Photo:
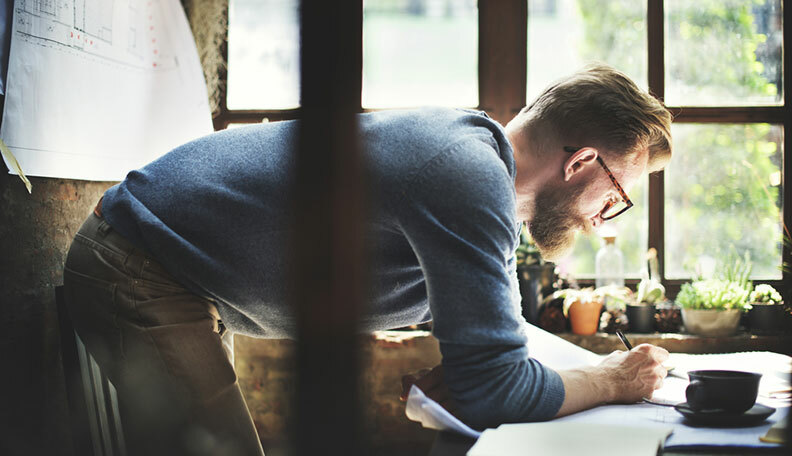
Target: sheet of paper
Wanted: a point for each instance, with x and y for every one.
(571, 439)
(96, 88)
(433, 416)
(557, 353)
(685, 435)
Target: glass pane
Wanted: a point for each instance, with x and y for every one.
(420, 52)
(723, 52)
(263, 54)
(564, 35)
(631, 230)
(723, 197)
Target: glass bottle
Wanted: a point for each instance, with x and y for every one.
(609, 264)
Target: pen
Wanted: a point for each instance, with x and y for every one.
(624, 339)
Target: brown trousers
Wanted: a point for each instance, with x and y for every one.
(160, 346)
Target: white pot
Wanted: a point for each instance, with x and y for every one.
(711, 322)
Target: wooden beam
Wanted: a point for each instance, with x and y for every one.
(503, 41)
(327, 278)
(656, 75)
(729, 114)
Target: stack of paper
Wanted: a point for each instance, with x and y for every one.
(570, 439)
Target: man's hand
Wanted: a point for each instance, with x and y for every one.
(635, 374)
(622, 377)
(432, 384)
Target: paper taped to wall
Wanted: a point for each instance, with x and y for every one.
(13, 165)
(96, 88)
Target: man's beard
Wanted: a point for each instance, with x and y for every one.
(555, 221)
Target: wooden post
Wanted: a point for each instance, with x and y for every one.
(503, 41)
(327, 243)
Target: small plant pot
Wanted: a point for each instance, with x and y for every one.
(641, 318)
(711, 322)
(585, 317)
(765, 318)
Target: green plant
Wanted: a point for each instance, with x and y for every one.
(713, 294)
(765, 294)
(786, 267)
(650, 290)
(527, 253)
(738, 270)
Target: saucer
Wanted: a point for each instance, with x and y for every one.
(755, 415)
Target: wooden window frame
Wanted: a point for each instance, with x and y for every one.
(502, 53)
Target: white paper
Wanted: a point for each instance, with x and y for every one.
(433, 416)
(545, 347)
(571, 439)
(96, 88)
(557, 353)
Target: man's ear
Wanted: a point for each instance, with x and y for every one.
(579, 161)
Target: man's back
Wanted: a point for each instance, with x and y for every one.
(215, 212)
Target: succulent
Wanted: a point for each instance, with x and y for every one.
(765, 294)
(713, 294)
(613, 296)
(527, 252)
(612, 320)
(650, 290)
(668, 318)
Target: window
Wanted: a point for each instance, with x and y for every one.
(420, 53)
(718, 64)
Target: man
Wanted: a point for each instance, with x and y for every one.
(192, 244)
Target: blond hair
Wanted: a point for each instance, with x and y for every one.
(600, 106)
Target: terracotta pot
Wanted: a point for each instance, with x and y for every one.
(585, 317)
(711, 322)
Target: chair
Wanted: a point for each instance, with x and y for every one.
(93, 400)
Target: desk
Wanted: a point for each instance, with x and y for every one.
(450, 444)
(603, 344)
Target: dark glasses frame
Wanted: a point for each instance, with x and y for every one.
(622, 193)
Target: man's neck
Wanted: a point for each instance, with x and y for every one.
(534, 168)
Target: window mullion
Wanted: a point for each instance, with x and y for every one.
(656, 76)
(503, 27)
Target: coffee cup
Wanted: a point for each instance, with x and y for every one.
(731, 391)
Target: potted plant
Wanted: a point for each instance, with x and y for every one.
(535, 275)
(765, 309)
(712, 307)
(583, 308)
(615, 300)
(641, 313)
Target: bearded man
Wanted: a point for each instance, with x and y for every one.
(192, 244)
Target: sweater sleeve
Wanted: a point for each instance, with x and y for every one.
(459, 217)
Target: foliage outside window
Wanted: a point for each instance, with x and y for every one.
(722, 188)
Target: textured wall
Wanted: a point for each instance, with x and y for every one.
(267, 380)
(35, 233)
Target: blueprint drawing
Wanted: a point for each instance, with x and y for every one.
(96, 88)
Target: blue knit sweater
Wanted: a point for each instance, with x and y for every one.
(443, 235)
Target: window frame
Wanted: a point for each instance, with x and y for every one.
(502, 73)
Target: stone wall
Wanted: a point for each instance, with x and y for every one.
(267, 378)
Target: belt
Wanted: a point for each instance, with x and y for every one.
(98, 209)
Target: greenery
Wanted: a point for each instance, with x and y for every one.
(527, 252)
(723, 185)
(715, 294)
(765, 294)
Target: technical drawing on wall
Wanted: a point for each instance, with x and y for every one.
(110, 77)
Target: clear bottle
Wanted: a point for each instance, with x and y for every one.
(609, 264)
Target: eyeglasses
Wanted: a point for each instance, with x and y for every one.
(612, 208)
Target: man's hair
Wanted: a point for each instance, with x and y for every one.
(602, 107)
